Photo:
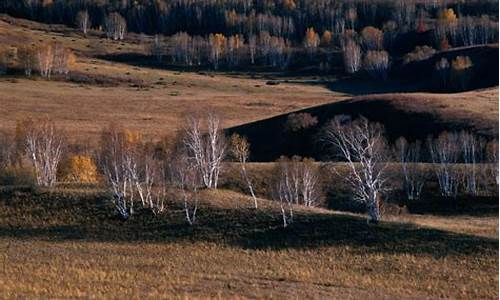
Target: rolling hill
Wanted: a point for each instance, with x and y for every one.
(68, 243)
(412, 115)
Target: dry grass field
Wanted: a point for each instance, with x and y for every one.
(153, 101)
(66, 244)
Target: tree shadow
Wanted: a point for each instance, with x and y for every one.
(385, 237)
(90, 217)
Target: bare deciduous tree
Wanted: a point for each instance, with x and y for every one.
(111, 158)
(157, 48)
(472, 153)
(131, 169)
(44, 146)
(352, 56)
(82, 20)
(185, 176)
(45, 60)
(408, 155)
(285, 190)
(206, 146)
(362, 144)
(115, 26)
(240, 148)
(297, 182)
(252, 47)
(444, 151)
(27, 59)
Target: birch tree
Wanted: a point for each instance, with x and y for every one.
(363, 146)
(240, 148)
(111, 158)
(351, 53)
(115, 26)
(185, 176)
(44, 146)
(284, 191)
(206, 146)
(444, 152)
(472, 153)
(296, 183)
(408, 155)
(217, 44)
(45, 60)
(83, 21)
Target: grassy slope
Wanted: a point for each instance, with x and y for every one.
(413, 115)
(155, 107)
(67, 243)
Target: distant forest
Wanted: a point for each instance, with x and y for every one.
(364, 35)
(285, 18)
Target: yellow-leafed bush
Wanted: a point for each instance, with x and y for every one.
(78, 168)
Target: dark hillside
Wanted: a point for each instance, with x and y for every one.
(414, 116)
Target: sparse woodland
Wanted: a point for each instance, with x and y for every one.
(140, 173)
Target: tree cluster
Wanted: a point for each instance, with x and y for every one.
(46, 59)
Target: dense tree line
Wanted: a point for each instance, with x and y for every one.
(287, 18)
(236, 33)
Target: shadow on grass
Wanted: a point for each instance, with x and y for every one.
(89, 217)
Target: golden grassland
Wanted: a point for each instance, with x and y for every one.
(153, 101)
(67, 243)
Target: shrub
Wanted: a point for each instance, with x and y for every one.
(17, 177)
(419, 53)
(447, 15)
(78, 168)
(373, 38)
(300, 121)
(326, 38)
(461, 72)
